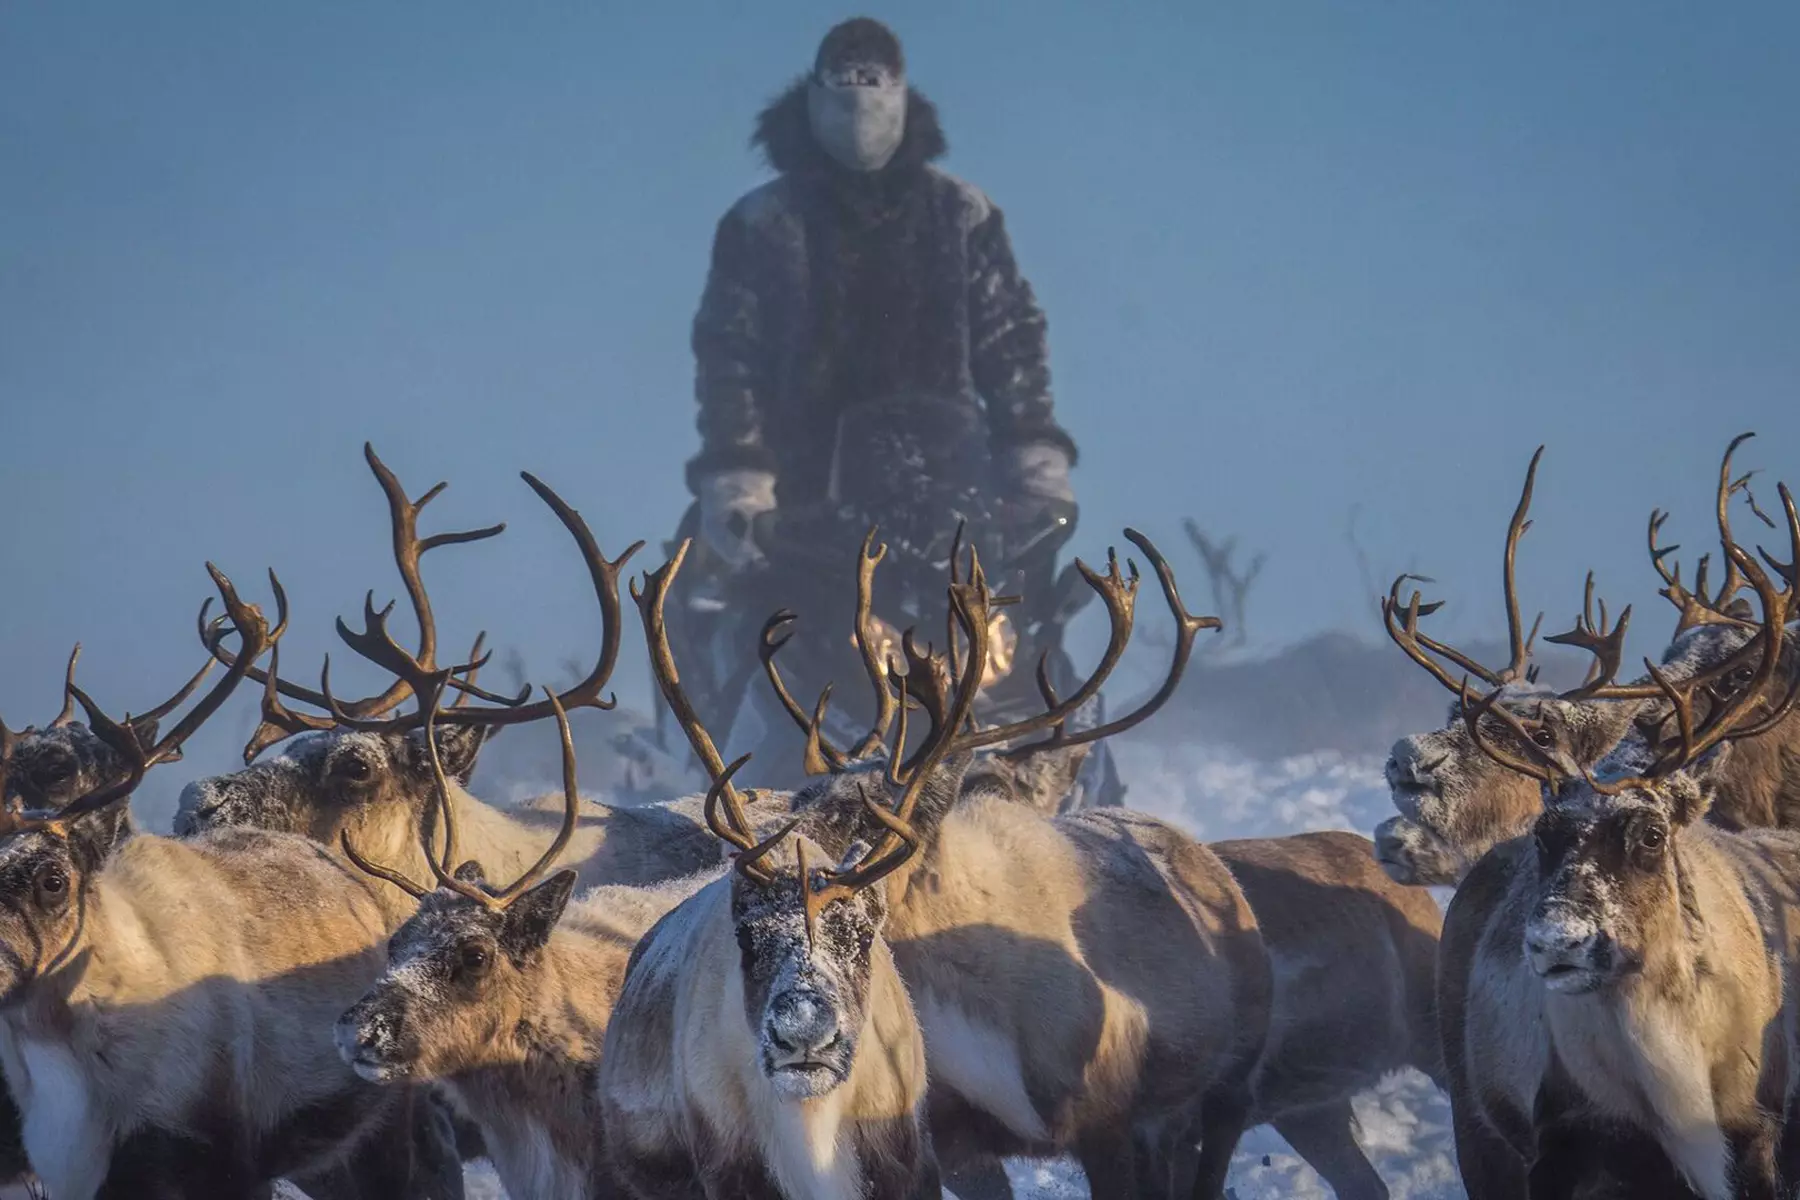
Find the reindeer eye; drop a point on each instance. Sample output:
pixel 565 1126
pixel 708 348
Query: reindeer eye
pixel 1652 838
pixel 52 882
pixel 473 960
pixel 1543 738
pixel 353 769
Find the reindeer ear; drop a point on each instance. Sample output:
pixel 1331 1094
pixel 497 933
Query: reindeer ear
pixel 458 747
pixel 940 795
pixel 470 872
pixel 531 917
pixel 94 837
pixel 145 732
pixel 1690 793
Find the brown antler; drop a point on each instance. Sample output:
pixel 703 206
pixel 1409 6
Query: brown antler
pixel 733 825
pixel 123 738
pixel 1607 646
pixel 1118 593
pixel 443 866
pixel 68 705
pixel 1402 620
pixel 1727 717
pixel 279 721
pixel 376 644
pixel 1187 628
pixel 1732 717
pixel 970 607
pixel 821 755
pixel 1697 607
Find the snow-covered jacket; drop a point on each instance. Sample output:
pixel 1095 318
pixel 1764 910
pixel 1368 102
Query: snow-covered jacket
pixel 829 289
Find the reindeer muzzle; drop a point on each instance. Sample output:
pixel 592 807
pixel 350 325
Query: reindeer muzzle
pixel 1569 951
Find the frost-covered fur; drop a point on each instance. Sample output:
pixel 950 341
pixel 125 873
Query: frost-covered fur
pixel 507 1012
pixel 1455 803
pixel 1618 979
pixel 183 989
pixel 378 789
pixel 747 1059
pixel 52 767
pixel 830 288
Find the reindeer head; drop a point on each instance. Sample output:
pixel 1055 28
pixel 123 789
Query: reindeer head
pixel 805 980
pixel 323 785
pixel 462 969
pixel 1608 889
pixel 1454 802
pixel 809 902
pixel 352 771
pixel 65 803
pixel 53 766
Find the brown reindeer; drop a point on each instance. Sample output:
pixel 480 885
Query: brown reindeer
pixel 348 772
pixel 1093 983
pixel 764 1045
pixel 501 996
pixel 127 968
pixel 1328 916
pixel 52 767
pixel 48 769
pixel 1613 987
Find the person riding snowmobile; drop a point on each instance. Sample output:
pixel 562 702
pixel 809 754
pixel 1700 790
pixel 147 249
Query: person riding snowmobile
pixel 867 352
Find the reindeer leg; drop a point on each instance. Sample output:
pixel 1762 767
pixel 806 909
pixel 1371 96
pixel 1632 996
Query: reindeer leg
pixel 1578 1161
pixel 1490 1168
pixel 983 1179
pixel 1109 1159
pixel 1325 1137
pixel 1223 1118
pixel 1753 1151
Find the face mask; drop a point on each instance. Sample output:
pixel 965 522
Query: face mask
pixel 860 127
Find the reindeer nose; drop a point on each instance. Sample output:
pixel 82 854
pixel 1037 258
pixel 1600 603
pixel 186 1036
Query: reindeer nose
pixel 363 1034
pixel 1406 764
pixel 198 799
pixel 801 1022
pixel 1561 942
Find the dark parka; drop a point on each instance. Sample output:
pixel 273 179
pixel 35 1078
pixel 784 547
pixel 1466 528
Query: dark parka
pixel 831 288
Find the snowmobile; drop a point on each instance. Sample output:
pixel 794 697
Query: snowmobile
pixel 914 476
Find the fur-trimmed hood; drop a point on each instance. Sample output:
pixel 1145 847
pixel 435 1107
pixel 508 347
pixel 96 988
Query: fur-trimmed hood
pixel 784 135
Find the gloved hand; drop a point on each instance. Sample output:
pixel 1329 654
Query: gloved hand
pixel 1040 471
pixel 729 501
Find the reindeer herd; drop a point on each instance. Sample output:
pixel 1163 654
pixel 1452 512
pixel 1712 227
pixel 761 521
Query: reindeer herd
pixel 346 969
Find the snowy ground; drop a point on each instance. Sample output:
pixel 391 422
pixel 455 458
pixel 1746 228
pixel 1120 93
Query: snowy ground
pixel 1406 1121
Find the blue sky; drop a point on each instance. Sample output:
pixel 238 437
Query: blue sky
pixel 1296 257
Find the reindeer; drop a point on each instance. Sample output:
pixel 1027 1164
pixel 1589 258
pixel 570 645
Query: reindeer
pixel 141 1054
pixel 1612 989
pixel 48 769
pixel 501 995
pixel 1326 911
pixel 54 765
pixel 1093 983
pixel 346 771
pixel 764 1044
pixel 1455 803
